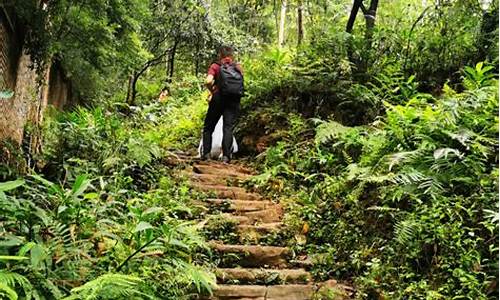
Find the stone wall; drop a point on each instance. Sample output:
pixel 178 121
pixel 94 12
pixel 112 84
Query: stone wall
pixel 60 91
pixel 31 93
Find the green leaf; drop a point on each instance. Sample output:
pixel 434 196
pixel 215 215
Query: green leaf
pixel 38 254
pixel 152 210
pixel 11 257
pixel 143 226
pixel 80 185
pixel 91 196
pixel 7 292
pixel 10 185
pixel 6 94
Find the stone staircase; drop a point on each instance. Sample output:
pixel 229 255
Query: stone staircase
pixel 252 271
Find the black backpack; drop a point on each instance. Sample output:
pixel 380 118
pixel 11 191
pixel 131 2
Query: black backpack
pixel 230 80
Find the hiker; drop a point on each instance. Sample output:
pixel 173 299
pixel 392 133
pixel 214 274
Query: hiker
pixel 225 83
pixel 163 97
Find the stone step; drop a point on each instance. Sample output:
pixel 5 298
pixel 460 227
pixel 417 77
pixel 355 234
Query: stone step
pixel 239 205
pixel 211 179
pixel 254 255
pixel 263 228
pixel 256 292
pixel 220 170
pixel 226 192
pixel 237 168
pixel 261 217
pixel 262 276
pixel 270 215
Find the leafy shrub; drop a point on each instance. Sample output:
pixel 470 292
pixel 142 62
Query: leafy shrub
pixel 109 221
pixel 402 206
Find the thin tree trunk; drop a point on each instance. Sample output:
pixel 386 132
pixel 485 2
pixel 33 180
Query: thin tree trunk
pixel 349 27
pixel 172 61
pixel 131 92
pixel 281 33
pixel 352 17
pixel 300 25
pixel 370 17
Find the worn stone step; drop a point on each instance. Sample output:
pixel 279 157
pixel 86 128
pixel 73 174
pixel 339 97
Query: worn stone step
pixel 220 170
pixel 226 192
pixel 270 215
pixel 256 292
pixel 262 276
pixel 254 255
pixel 239 205
pixel 254 218
pixel 260 217
pixel 237 168
pixel 263 228
pixel 211 179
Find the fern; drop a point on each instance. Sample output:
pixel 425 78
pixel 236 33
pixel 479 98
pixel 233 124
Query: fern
pixel 401 157
pixel 327 131
pixel 109 286
pixel 405 231
pixel 10 280
pixel 411 177
pixel 7 293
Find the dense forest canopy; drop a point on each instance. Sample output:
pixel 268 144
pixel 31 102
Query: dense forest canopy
pixel 375 121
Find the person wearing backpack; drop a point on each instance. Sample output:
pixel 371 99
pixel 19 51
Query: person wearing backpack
pixel 225 83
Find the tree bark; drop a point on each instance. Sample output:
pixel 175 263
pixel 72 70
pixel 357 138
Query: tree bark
pixel 281 32
pixel 131 91
pixel 172 62
pixel 352 17
pixel 300 25
pixel 370 17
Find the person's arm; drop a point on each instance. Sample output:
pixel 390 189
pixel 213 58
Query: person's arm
pixel 209 82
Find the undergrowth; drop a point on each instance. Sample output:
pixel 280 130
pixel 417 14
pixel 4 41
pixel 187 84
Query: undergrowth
pixel 104 217
pixel 405 207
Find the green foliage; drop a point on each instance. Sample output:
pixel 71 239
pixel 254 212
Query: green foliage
pixel 404 205
pixel 109 286
pixel 107 219
pixel 479 76
pixel 94 42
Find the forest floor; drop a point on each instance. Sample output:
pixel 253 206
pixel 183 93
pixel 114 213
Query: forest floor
pixel 249 267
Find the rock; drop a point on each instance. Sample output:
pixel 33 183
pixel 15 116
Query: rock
pixel 255 256
pixel 290 292
pixel 270 215
pixel 238 292
pixel 263 276
pixel 226 192
pixel 239 205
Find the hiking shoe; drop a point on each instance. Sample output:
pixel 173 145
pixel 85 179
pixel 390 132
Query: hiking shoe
pixel 225 160
pixel 205 157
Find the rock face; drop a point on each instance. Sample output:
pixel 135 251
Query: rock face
pixel 255 271
pixel 17 75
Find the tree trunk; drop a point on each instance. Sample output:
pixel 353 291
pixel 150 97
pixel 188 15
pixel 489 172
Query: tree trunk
pixel 352 17
pixel 349 27
pixel 131 90
pixel 281 33
pixel 171 62
pixel 300 25
pixel 370 17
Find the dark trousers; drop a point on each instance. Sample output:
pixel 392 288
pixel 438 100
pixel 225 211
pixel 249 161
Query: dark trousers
pixel 229 109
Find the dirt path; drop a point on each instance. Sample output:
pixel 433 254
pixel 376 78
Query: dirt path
pixel 250 269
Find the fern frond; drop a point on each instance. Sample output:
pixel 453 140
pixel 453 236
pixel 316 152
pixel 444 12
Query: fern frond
pixel 405 231
pixel 401 157
pixel 326 131
pixel 109 286
pixel 411 177
pixel 11 280
pixel 7 292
